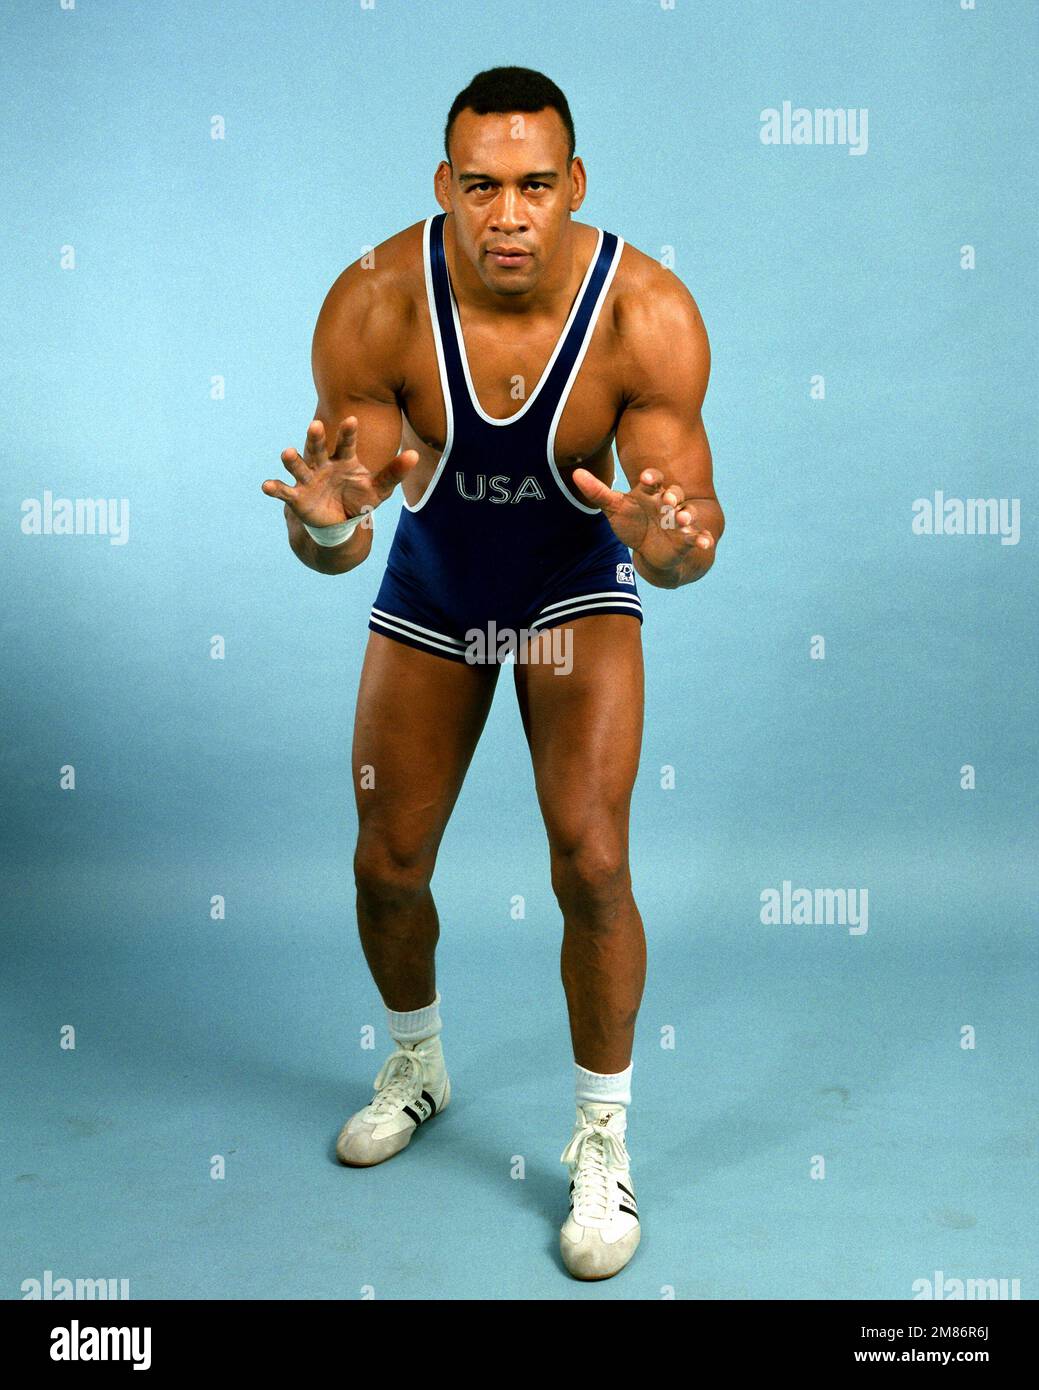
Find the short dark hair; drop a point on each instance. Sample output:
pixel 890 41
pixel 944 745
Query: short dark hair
pixel 500 90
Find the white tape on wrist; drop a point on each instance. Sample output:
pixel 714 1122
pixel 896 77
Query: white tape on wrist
pixel 335 535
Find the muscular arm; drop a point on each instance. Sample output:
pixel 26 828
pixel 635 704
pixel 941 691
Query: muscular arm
pixel 667 364
pixel 356 361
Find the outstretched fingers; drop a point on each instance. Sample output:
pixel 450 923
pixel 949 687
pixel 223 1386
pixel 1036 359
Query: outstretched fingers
pixel 595 492
pixel 649 487
pixel 274 488
pixel 676 512
pixel 315 451
pixel 294 464
pixel 389 476
pixel 346 440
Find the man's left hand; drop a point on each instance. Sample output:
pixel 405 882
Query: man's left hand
pixel 654 520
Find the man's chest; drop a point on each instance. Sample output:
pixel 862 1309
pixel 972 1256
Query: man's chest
pixel 506 364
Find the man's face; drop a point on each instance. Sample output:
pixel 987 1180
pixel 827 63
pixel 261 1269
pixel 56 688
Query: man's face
pixel 510 191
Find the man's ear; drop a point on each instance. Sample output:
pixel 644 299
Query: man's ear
pixel 580 181
pixel 442 185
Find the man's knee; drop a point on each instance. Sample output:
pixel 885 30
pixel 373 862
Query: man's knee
pixel 388 873
pixel 591 871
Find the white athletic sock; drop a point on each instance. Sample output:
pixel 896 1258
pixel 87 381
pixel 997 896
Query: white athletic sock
pixel 603 1088
pixel 412 1025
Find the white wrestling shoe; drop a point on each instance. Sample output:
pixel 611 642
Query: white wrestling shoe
pixel 412 1086
pixel 602 1231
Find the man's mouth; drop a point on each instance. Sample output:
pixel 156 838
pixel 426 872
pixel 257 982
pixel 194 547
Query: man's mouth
pixel 508 255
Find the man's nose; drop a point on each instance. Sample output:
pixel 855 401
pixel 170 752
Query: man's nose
pixel 510 214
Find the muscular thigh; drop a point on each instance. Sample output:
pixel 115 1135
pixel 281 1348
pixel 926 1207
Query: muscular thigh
pixel 419 718
pixel 584 729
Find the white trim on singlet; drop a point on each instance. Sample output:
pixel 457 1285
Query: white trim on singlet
pixel 511 419
pixel 580 598
pixel 578 604
pixel 565 393
pixel 392 623
pixel 442 365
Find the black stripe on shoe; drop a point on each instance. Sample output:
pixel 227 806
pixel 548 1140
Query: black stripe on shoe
pixel 625 1191
pixel 630 1212
pixel 432 1103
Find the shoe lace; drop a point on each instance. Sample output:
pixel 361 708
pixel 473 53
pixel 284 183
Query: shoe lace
pixel 592 1151
pixel 395 1082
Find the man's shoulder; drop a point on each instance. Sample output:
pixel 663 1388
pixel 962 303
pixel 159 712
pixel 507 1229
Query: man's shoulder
pixel 374 299
pixel 649 298
pixel 391 270
pixel 659 331
pixel 397 261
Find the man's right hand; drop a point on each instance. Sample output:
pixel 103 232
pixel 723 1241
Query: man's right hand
pixel 333 488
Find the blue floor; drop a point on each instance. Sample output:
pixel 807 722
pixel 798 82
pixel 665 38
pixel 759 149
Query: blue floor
pixel 242 1039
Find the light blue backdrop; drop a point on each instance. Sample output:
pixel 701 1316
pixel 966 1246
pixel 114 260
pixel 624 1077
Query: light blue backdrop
pixel 195 258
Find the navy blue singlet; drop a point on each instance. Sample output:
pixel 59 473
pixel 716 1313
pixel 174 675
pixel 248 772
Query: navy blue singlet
pixel 497 535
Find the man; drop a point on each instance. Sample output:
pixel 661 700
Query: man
pixel 508 347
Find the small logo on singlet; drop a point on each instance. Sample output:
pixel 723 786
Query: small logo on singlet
pixel 625 574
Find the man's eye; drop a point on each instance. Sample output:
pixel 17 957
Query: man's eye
pixel 531 183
